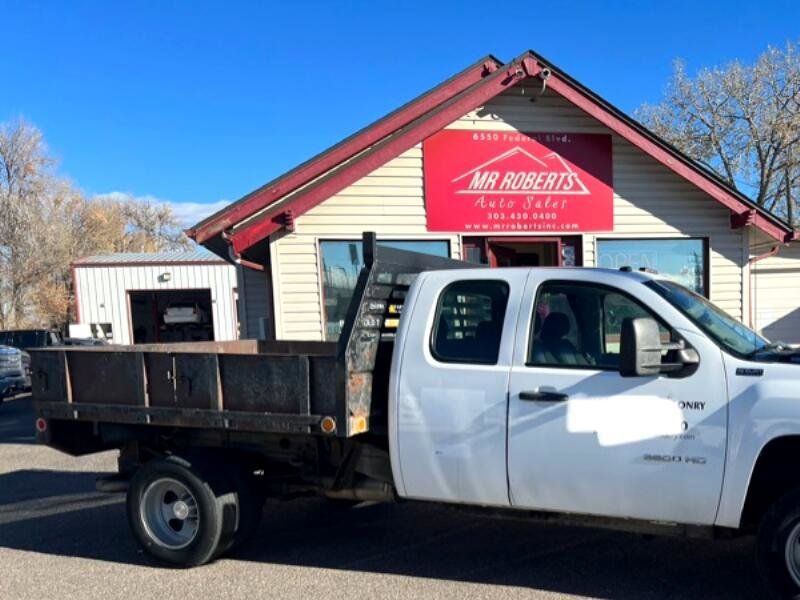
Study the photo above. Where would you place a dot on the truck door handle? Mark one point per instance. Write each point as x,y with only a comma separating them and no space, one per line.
542,396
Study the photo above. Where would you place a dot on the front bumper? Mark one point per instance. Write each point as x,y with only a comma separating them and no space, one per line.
14,383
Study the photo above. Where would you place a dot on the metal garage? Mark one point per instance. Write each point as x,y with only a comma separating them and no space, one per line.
157,297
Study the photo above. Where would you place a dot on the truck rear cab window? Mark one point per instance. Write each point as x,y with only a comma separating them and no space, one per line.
469,322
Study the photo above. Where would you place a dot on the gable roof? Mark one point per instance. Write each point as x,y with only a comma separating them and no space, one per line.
343,151
197,255
274,206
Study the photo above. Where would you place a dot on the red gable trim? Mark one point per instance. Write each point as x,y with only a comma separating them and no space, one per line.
351,146
490,86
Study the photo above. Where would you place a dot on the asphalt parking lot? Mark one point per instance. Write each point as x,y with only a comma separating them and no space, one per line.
61,539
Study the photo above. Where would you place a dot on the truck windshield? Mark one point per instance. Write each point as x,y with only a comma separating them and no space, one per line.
715,322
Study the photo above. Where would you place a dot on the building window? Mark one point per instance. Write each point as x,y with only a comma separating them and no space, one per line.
341,263
469,322
684,260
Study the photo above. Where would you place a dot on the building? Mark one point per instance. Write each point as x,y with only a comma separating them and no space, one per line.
156,297
504,164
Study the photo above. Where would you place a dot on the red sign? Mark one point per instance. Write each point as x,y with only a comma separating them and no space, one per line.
505,181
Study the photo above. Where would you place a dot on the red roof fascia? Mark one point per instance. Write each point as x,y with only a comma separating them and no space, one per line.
671,160
319,191
341,152
772,229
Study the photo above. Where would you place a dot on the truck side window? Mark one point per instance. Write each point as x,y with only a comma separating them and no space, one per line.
617,308
469,322
578,325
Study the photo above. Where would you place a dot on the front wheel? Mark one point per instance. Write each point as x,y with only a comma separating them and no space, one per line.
181,513
778,547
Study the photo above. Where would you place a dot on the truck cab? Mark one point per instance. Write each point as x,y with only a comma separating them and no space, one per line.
518,388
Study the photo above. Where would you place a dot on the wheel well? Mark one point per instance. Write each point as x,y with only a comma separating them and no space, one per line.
772,478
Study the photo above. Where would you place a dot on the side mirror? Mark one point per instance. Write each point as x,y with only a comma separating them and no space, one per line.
639,348
641,353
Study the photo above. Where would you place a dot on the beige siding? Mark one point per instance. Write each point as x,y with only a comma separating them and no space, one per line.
388,201
650,201
776,293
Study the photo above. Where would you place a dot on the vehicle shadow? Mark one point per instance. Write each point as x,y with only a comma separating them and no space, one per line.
58,513
16,420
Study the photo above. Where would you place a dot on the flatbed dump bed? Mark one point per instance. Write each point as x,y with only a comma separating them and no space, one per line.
288,387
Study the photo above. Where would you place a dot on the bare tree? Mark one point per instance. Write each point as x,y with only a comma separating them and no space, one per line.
742,122
151,227
46,223
25,178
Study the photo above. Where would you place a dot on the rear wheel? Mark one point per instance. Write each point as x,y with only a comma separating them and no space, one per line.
181,513
778,547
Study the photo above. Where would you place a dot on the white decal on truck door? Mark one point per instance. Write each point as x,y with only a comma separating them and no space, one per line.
624,419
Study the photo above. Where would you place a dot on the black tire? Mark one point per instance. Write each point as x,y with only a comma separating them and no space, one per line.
779,528
213,500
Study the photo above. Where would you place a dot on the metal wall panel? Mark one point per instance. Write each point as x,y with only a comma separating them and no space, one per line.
103,293
775,285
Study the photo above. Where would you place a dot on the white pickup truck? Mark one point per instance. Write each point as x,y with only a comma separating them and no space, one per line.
610,398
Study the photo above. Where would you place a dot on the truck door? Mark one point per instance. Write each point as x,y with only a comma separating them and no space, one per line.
584,439
449,410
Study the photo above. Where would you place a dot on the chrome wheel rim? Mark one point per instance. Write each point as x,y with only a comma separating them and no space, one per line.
170,514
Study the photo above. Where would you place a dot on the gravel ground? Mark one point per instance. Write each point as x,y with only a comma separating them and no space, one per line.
61,539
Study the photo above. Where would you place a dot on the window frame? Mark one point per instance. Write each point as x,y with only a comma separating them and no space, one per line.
438,313
706,252
346,240
674,335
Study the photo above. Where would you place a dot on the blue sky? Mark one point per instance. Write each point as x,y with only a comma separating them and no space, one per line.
202,102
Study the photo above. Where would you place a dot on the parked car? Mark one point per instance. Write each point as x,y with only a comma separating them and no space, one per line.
30,338
586,396
185,312
15,371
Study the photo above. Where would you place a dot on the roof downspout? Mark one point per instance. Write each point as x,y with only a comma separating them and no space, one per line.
753,260
237,258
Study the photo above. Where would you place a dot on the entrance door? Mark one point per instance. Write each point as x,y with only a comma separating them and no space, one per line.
584,439
524,252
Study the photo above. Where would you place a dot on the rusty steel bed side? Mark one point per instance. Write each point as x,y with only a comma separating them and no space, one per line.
259,392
